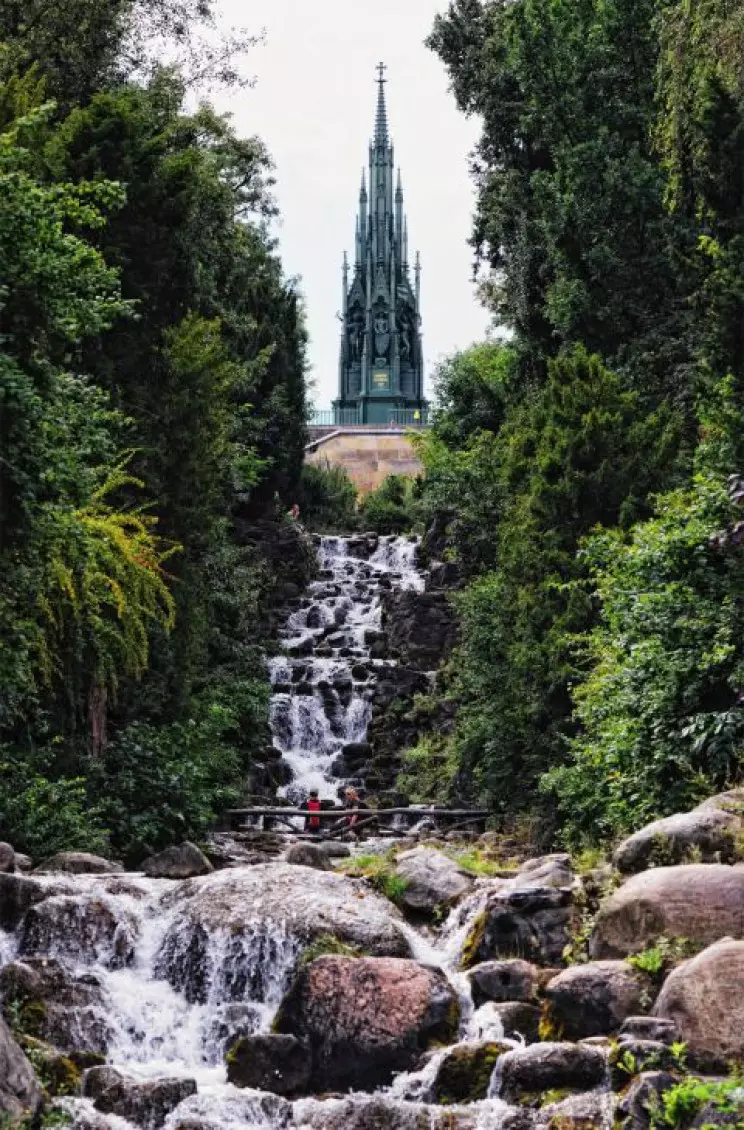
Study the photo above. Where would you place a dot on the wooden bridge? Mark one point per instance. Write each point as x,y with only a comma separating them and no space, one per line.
335,823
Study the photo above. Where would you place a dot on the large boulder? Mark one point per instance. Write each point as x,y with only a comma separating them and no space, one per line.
527,1073
432,880
365,1019
530,922
182,861
20,1093
383,1112
594,999
240,933
17,894
52,1004
276,1063
78,863
510,980
85,929
421,627
707,832
731,801
700,902
544,871
519,1021
650,1028
236,1109
704,998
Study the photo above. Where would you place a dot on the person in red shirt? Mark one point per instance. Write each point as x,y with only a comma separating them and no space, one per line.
313,805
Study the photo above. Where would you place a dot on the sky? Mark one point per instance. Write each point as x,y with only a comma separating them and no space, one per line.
313,103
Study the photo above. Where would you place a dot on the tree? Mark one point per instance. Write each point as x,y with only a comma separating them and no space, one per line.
660,720
579,453
700,137
212,371
79,48
570,212
80,579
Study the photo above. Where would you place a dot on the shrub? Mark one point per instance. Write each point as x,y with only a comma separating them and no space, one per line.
661,725
157,786
42,816
391,509
328,498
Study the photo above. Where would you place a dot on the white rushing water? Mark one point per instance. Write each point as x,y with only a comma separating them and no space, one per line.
324,683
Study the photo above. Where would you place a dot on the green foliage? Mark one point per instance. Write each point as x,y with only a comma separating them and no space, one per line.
327,498
379,871
660,728
156,786
152,406
570,193
79,48
578,453
475,862
472,390
328,945
700,140
42,816
683,1102
461,493
391,509
659,960
427,770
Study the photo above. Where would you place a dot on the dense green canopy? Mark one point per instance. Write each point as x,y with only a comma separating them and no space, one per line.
152,389
577,472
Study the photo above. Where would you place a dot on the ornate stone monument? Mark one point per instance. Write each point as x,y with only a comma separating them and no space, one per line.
381,368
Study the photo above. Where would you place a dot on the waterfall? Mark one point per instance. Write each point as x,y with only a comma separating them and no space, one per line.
323,683
162,989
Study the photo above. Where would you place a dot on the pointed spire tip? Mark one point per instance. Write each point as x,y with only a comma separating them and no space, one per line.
381,123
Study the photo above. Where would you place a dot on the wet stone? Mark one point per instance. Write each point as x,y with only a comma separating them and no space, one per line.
280,1064
17,894
146,1104
7,859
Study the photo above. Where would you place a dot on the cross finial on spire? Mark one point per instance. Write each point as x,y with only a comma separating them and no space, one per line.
381,126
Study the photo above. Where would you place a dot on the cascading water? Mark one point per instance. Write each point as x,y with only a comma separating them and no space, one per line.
163,992
324,682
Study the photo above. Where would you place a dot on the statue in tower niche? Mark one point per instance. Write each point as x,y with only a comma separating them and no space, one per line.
355,330
382,335
381,376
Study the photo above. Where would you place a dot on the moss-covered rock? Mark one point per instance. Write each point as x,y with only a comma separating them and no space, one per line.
474,941
328,945
465,1074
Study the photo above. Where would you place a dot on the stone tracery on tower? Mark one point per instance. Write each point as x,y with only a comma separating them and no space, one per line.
381,371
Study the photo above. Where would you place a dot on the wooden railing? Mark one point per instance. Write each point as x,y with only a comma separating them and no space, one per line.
338,822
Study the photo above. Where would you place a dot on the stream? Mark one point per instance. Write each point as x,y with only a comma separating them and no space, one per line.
167,974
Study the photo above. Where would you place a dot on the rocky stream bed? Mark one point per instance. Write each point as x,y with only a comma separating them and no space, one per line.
275,988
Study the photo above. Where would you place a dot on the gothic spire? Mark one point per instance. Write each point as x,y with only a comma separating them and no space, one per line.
381,372
381,122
